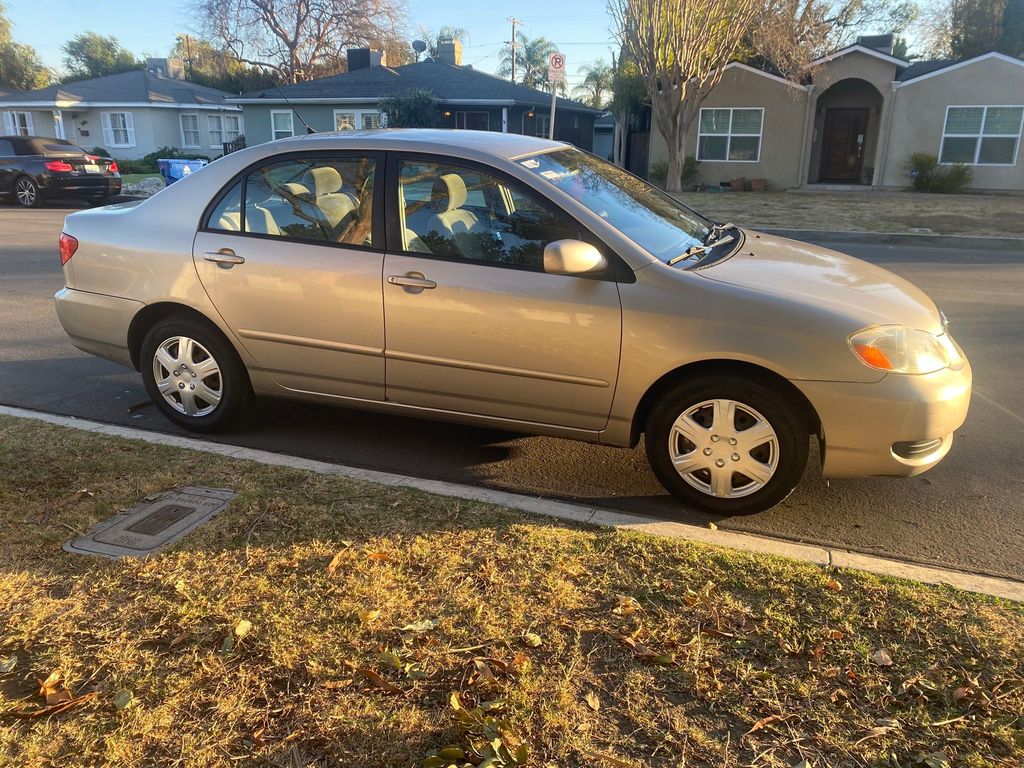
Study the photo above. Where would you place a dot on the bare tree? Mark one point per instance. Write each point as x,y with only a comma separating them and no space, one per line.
680,48
300,39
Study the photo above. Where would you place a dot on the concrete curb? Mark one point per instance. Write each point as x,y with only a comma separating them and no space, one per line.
978,242
744,542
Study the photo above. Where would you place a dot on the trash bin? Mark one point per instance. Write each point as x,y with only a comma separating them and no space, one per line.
174,169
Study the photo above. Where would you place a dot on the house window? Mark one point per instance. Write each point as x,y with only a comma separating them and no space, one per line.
18,123
981,135
541,126
118,129
224,129
730,135
190,130
281,123
473,121
353,119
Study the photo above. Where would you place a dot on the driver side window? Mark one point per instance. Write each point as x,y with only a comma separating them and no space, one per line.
453,211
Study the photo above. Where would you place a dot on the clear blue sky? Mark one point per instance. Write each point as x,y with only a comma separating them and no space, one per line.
146,27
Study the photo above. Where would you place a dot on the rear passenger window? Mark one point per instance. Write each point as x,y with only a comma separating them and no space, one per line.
325,200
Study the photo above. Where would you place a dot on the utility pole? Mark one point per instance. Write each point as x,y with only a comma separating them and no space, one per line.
513,44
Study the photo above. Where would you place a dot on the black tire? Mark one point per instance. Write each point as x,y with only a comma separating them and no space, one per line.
26,192
232,381
784,417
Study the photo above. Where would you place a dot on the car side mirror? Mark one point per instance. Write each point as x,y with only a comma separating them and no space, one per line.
573,257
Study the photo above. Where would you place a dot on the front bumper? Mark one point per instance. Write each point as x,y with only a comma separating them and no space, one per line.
902,425
96,323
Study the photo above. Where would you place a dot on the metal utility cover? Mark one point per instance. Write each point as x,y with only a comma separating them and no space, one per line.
154,523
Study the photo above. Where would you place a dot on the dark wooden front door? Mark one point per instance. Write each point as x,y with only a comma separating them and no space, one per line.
842,146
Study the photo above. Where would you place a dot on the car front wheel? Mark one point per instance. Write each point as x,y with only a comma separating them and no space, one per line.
193,375
726,445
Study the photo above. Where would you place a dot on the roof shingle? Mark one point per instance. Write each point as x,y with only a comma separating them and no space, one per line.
128,87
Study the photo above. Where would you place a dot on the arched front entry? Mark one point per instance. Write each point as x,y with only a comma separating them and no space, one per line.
846,131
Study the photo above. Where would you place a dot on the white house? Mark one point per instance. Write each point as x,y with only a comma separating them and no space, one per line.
129,114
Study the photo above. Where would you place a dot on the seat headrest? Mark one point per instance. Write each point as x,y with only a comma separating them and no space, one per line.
448,194
294,190
326,180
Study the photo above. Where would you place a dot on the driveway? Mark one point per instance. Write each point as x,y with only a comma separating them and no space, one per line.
967,513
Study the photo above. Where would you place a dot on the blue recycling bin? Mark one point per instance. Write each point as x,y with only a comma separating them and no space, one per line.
175,169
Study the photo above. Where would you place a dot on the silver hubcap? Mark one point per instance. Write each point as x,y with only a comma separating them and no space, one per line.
724,448
187,376
26,192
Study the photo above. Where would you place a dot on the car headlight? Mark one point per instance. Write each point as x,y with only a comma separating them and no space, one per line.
896,349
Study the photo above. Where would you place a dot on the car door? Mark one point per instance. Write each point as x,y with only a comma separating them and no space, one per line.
473,323
8,166
291,256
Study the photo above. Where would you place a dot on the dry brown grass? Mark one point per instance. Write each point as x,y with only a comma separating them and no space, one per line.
999,215
652,652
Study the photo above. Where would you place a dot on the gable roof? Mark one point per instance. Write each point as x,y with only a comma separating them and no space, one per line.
137,87
5,92
922,70
447,82
857,48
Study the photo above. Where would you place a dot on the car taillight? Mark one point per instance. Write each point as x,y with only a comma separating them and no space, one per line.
68,246
59,166
113,167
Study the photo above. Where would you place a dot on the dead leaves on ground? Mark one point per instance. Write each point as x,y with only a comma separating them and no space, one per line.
58,697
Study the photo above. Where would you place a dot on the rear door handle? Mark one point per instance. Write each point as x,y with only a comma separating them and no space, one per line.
225,258
411,281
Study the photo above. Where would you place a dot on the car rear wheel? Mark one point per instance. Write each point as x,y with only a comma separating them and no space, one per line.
193,375
26,192
727,446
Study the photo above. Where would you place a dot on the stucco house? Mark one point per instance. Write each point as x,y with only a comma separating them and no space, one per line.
465,98
129,114
858,119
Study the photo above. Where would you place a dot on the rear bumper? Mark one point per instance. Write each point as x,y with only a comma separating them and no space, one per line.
899,426
83,186
96,323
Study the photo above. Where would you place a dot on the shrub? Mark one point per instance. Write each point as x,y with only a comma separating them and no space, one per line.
147,163
659,172
99,151
690,170
929,176
412,109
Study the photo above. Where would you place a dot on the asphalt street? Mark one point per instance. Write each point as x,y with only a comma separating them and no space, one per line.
966,513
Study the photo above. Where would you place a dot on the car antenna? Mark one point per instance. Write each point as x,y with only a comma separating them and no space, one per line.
293,109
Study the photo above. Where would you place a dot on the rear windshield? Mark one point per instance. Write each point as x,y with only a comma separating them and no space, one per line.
49,147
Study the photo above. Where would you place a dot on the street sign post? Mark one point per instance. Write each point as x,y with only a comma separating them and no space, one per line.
556,74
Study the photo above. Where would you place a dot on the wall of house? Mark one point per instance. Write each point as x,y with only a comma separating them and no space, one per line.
782,130
919,113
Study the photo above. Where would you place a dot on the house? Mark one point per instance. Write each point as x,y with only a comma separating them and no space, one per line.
859,118
129,114
466,98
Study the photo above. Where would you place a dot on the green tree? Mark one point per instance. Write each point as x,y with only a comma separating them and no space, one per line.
89,54
209,65
531,61
976,27
629,95
444,32
1012,40
412,109
20,66
597,83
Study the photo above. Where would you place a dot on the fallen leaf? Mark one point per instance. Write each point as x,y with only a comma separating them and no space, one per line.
763,723
257,737
379,681
381,556
123,698
451,753
332,567
833,586
8,664
53,689
592,701
712,526
879,730
803,764
881,658
243,628
937,760
626,606
423,625
963,692
52,710
365,617
179,639
532,639
333,685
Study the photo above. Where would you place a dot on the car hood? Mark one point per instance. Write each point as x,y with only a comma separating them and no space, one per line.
826,278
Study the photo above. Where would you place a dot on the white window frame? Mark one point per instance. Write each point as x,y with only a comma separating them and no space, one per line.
220,130
981,135
13,121
199,135
107,122
465,112
359,119
729,135
291,123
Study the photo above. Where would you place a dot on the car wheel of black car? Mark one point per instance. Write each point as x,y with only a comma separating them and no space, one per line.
26,192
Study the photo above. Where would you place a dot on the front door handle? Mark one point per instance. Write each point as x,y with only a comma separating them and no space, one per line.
225,258
411,281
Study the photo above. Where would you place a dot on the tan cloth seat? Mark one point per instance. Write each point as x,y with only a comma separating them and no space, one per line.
447,198
257,219
335,204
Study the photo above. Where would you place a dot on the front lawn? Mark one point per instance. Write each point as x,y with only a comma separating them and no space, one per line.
324,622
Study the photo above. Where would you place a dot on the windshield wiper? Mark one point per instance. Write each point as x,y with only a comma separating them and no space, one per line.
717,229
694,250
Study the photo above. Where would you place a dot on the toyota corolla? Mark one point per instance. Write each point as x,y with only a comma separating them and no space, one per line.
519,283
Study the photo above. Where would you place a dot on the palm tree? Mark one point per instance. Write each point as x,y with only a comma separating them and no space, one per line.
597,81
446,32
531,58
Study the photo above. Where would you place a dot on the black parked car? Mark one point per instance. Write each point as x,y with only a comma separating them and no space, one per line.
37,168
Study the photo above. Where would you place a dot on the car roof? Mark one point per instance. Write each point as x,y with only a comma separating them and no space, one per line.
504,145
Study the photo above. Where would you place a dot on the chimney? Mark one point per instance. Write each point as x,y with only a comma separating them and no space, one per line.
172,68
363,58
449,52
880,43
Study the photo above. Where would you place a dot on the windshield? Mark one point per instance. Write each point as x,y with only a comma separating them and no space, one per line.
642,212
